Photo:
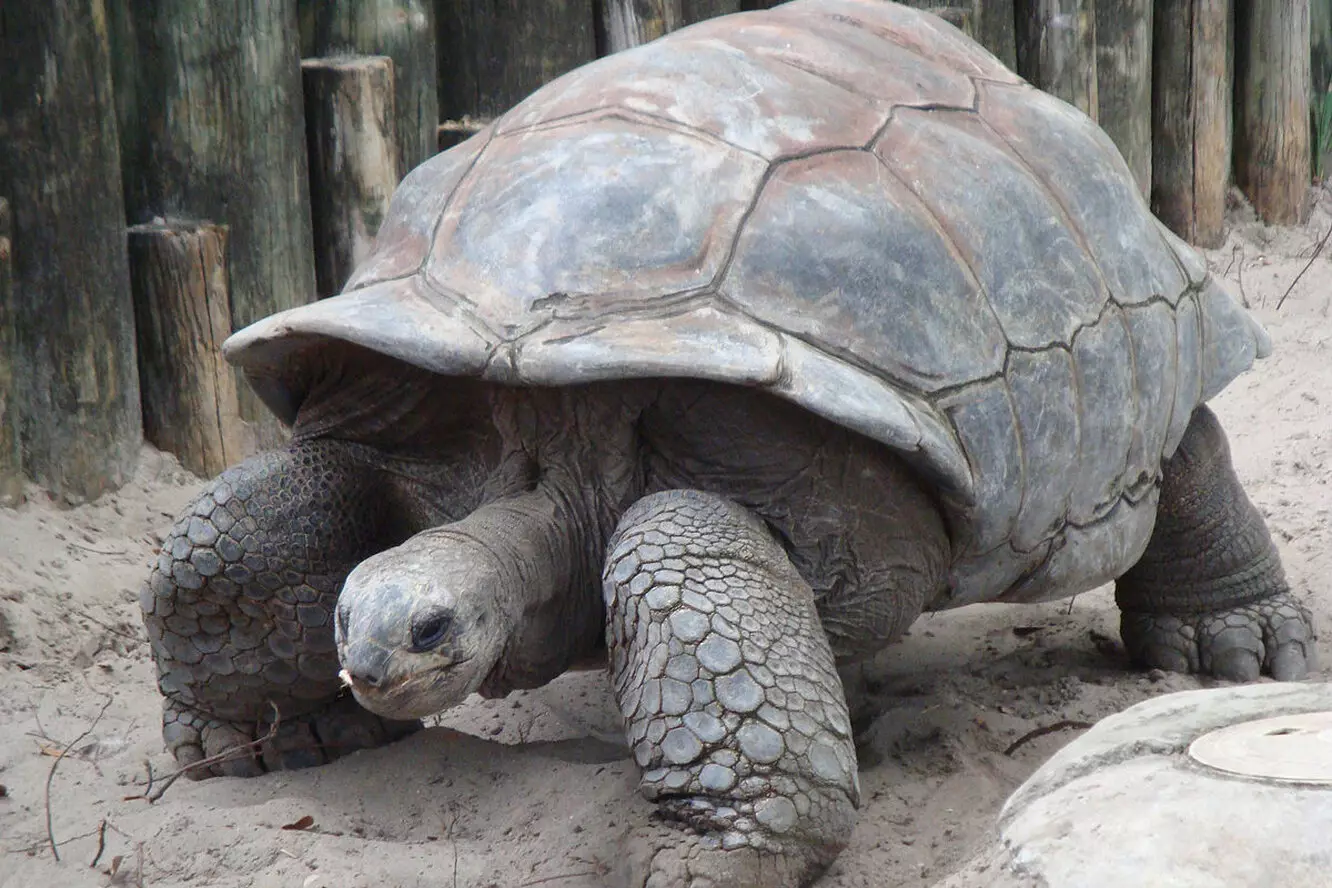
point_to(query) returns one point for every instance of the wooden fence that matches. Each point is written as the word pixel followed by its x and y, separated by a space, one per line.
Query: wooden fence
pixel 199 164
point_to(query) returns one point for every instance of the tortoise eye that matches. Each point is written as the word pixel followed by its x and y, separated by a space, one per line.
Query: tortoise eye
pixel 429 629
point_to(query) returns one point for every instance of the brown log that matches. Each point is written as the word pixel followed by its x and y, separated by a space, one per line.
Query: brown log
pixel 1056 49
pixel 1191 117
pixel 493 53
pixel 1272 150
pixel 988 22
pixel 349 124
pixel 71 388
pixel 209 93
pixel 11 465
pixel 403 30
pixel 1124 81
pixel 629 23
pixel 183 313
pixel 698 10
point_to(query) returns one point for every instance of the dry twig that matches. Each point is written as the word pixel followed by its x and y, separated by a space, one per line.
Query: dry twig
pixel 226 755
pixel 50 775
pixel 1066 725
pixel 1317 250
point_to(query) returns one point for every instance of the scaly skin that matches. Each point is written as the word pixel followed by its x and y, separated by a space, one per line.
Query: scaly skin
pixel 1209 594
pixel 239 609
pixel 731 699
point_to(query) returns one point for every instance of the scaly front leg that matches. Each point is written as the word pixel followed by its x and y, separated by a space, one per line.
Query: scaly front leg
pixel 731 701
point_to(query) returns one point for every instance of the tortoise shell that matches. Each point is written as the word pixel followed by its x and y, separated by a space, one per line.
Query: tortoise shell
pixel 848 203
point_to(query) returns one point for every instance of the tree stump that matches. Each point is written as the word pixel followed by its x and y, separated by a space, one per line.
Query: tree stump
pixel 11 464
pixel 183 314
pixel 1056 49
pixel 629 23
pixel 1124 81
pixel 403 30
pixel 1191 117
pixel 209 93
pixel 1272 150
pixel 71 388
pixel 349 123
pixel 493 53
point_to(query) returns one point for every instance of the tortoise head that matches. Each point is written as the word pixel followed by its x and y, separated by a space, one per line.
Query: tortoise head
pixel 419 626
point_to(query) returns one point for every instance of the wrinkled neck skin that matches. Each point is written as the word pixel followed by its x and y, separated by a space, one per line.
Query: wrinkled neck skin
pixel 569 470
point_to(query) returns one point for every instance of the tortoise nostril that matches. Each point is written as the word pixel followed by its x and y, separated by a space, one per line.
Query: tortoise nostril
pixel 367 676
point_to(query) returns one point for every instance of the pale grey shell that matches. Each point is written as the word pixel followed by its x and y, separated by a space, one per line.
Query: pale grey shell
pixel 848 203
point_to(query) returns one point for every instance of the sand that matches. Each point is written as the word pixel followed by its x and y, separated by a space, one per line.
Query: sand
pixel 538 789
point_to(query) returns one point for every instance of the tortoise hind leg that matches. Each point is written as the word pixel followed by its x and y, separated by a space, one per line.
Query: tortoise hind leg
pixel 731 700
pixel 1209 594
pixel 239 611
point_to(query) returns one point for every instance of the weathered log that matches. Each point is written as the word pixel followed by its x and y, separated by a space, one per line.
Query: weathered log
pixel 1056 49
pixel 455 132
pixel 749 5
pixel 349 124
pixel 1191 117
pixel 11 464
pixel 996 29
pixel 1124 81
pixel 71 390
pixel 209 93
pixel 492 53
pixel 629 23
pixel 1272 151
pixel 698 10
pixel 183 314
pixel 961 17
pixel 403 30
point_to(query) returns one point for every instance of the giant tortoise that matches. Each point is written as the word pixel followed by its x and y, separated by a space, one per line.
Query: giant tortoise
pixel 724 358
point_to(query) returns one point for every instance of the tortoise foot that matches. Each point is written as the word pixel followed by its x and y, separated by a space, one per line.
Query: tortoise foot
pixel 211 747
pixel 1274 636
pixel 664 856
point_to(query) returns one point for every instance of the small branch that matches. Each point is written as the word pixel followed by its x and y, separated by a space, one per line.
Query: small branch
pixel 1065 725
pixel 1317 250
pixel 95 550
pixel 101 844
pixel 50 775
pixel 562 876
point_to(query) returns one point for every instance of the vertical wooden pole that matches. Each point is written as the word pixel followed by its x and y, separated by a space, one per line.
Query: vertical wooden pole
pixel 698 10
pixel 403 30
pixel 492 53
pixel 209 93
pixel 183 314
pixel 1056 49
pixel 1191 117
pixel 11 463
pixel 1272 150
pixel 990 23
pixel 349 124
pixel 629 23
pixel 1124 81
pixel 71 383
pixel 1320 64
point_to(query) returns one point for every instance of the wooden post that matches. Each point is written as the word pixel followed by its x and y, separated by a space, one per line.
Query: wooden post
pixel 1320 65
pixel 1124 81
pixel 698 10
pixel 183 313
pixel 1056 49
pixel 349 123
pixel 1272 151
pixel 1191 117
pixel 629 23
pixel 492 53
pixel 209 93
pixel 750 5
pixel 11 463
pixel 403 30
pixel 71 387
pixel 989 22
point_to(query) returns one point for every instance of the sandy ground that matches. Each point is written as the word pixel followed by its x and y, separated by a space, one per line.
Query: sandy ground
pixel 538 789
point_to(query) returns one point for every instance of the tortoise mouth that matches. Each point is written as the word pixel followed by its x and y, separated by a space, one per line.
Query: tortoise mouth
pixel 413 695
